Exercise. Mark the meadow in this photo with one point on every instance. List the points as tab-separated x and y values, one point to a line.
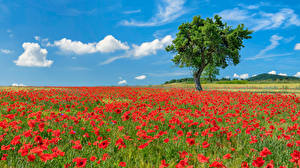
283	88
148	127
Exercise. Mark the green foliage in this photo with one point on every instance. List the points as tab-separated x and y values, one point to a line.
184	80
210	72
208	41
272	77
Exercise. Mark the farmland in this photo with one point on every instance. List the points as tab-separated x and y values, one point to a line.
147	127
283	88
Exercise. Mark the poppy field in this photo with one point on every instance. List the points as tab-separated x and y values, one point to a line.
148	127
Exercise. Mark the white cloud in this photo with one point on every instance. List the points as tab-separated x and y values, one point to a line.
33	56
132	11
236	75
242	76
274	43
255	6
252	7
282	74
107	45
37	38
260	20
168	11
285	17
297	74
122	82
254	75
272	72
142	77
234	14
17	84
148	48
297	46
5	51
44	41
110	60
10	33
145	49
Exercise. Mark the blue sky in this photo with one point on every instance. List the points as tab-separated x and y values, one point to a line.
115	42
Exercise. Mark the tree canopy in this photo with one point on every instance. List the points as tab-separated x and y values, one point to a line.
210	72
207	41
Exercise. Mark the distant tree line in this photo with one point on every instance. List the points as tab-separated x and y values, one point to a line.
262	78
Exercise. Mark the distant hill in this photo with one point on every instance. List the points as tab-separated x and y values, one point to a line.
261	78
272	77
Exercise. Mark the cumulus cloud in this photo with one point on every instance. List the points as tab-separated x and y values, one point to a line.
297	74
260	20
282	74
272	72
236	75
33	56
148	48
145	49
242	76
122	82
107	45
142	77
5	51
168	11
297	46
17	84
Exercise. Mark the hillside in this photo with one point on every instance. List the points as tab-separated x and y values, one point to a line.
261	78
264	76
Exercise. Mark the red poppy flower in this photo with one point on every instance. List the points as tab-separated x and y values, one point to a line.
259	162
180	133
163	164
217	164
227	156
93	158
80	162
265	152
190	141
202	158
31	158
244	165
205	144
122	164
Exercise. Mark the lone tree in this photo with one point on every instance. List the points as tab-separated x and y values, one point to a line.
210	72
207	41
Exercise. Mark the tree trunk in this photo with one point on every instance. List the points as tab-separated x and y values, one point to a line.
210	79
197	75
